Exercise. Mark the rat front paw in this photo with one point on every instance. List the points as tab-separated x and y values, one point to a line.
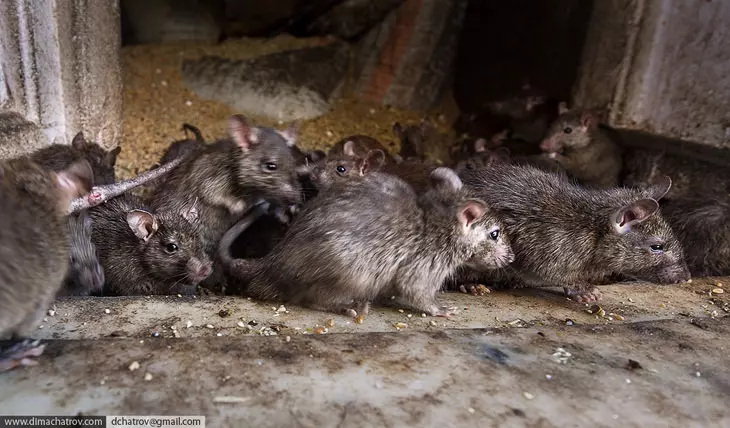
583	296
21	355
443	311
95	198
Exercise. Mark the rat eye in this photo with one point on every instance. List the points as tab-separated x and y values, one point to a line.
269	166
171	248
568	130
657	249
341	169
494	234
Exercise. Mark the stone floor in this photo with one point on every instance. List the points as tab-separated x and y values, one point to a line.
649	356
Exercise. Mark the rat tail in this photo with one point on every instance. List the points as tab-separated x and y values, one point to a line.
241	269
198	135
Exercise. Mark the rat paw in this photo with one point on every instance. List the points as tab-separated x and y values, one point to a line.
475	289
21	355
583	296
443	311
95	198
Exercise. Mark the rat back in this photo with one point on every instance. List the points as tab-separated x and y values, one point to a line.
34	243
86	275
703	227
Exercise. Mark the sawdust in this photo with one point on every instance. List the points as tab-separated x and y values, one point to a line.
157	103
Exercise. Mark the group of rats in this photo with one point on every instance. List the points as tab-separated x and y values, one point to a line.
538	202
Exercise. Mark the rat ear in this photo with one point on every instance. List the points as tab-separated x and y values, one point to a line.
480	145
590	119
77	179
563	108
111	156
374	160
143	224
240	132
79	142
446	177
291	134
659	188
471	212
349	148
634	213
315	156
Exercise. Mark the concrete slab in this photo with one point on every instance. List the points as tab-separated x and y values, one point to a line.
139	317
492	377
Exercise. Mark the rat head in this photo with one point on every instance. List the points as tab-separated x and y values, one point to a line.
308	162
102	162
267	168
347	167
467	228
413	138
171	249
641	244
84	258
571	130
482	157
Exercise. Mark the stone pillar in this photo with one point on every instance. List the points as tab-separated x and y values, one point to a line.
60	69
661	66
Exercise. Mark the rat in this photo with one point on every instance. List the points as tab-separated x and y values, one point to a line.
690	176
702	225
479	155
577	141
58	157
143	252
85	275
345	167
565	235
368	239
422	142
34	247
359	146
217	185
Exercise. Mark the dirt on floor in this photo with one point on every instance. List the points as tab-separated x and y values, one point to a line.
157	103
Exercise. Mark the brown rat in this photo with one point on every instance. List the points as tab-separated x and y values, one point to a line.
480	155
144	252
359	146
361	240
217	185
577	141
566	235
422	142
58	157
85	275
346	167
34	246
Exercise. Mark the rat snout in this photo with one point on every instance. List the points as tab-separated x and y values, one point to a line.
549	146
198	270
91	279
674	274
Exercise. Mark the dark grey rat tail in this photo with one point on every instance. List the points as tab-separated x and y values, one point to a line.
239	268
198	135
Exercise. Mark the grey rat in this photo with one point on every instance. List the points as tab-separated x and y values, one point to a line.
481	156
34	246
566	235
346	166
359	146
85	276
58	157
143	252
371	238
217	185
702	225
577	141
